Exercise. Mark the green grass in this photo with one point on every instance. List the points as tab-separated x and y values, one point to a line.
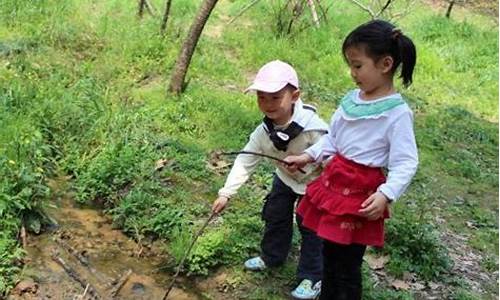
82	88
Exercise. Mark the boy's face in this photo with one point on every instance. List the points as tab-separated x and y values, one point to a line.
278	106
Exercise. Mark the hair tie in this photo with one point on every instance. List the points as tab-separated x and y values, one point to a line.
396	33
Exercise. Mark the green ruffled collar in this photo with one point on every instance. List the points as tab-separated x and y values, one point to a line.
368	109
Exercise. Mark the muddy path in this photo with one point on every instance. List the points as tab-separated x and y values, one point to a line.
84	257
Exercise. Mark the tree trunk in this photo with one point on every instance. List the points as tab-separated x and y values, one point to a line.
312	7
448	11
142	4
165	17
182	64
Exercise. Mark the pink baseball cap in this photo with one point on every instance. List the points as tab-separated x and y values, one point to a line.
274	76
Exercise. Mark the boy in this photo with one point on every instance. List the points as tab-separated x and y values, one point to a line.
289	127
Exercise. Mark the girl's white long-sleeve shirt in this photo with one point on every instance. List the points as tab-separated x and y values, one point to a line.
383	138
244	165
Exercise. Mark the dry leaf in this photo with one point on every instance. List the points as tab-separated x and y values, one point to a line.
418	286
400	285
433	285
161	163
376	263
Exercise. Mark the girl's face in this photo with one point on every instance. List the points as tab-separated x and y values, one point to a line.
372	77
278	106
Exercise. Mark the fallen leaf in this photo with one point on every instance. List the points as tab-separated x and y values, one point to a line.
418	286
376	263
400	285
433	285
161	163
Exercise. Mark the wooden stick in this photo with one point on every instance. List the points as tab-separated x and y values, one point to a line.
249	5
85	292
73	274
263	155
82	259
171	285
23	237
120	284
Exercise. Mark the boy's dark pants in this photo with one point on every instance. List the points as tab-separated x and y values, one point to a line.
342	271
278	215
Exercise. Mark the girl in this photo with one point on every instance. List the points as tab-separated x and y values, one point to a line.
371	129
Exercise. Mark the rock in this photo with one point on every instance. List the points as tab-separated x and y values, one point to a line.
26	286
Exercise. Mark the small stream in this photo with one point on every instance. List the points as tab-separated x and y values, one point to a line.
99	255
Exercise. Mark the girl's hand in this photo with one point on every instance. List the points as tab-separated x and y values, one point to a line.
296	162
219	204
373	208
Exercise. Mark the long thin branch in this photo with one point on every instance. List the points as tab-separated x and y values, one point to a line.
242	11
73	274
171	285
120	284
263	155
366	8
383	8
150	8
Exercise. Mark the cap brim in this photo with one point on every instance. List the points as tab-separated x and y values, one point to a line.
267	87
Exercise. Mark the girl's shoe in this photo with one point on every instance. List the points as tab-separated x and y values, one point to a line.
255	264
306	290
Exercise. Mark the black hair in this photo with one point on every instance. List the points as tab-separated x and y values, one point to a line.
380	38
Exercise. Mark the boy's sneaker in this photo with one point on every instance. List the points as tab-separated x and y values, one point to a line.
306	290
255	264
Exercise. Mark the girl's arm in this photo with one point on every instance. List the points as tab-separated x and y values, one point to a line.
326	146
403	157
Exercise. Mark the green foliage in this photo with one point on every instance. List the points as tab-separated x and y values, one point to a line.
467	145
146	210
109	171
414	246
206	252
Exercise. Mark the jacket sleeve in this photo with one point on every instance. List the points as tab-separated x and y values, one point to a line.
243	166
403	157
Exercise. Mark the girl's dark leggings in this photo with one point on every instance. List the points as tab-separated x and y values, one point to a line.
342	271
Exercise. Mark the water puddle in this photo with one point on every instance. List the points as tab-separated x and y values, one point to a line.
85	258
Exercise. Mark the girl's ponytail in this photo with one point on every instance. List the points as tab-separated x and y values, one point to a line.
408	56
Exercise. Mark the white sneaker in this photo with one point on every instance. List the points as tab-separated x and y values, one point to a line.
306	290
255	264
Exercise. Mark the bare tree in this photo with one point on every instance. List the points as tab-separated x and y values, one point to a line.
144	4
165	17
384	8
183	60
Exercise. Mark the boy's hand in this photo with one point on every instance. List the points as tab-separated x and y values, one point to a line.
296	162
219	204
373	208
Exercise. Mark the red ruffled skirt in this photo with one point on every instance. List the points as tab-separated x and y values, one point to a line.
332	201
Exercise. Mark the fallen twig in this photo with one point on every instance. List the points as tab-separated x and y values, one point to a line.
120	283
73	274
23	237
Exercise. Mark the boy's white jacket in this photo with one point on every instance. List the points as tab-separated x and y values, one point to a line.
245	164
